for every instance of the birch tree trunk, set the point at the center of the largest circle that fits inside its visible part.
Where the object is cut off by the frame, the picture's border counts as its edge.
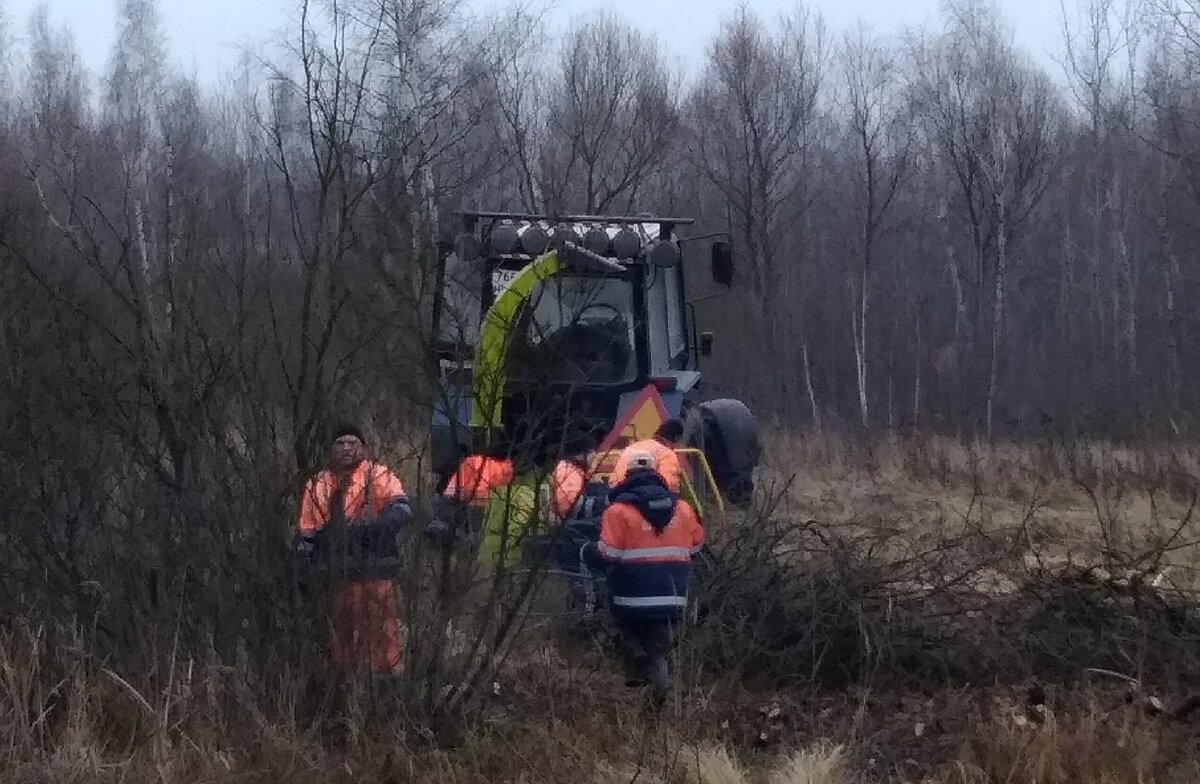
(997, 314)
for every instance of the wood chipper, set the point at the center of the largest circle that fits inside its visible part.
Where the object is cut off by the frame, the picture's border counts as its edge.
(556, 335)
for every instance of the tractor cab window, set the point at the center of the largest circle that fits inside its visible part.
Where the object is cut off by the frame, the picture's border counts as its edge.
(664, 309)
(575, 329)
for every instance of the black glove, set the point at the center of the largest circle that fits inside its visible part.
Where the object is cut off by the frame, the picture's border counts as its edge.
(376, 537)
(452, 522)
(439, 531)
(397, 514)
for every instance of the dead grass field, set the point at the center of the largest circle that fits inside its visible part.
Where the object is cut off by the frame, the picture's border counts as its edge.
(915, 612)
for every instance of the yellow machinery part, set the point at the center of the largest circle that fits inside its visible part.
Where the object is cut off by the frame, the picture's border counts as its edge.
(491, 374)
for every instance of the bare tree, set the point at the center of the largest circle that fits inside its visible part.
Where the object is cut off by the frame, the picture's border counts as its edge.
(880, 143)
(136, 75)
(514, 92)
(752, 119)
(611, 119)
(995, 122)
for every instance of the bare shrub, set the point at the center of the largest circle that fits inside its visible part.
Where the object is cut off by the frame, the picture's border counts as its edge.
(775, 604)
(977, 596)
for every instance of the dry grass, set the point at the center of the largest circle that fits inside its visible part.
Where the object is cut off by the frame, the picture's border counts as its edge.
(709, 765)
(903, 601)
(606, 773)
(1090, 744)
(713, 764)
(1089, 503)
(823, 764)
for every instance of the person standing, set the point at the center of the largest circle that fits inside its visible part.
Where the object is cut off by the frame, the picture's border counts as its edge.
(647, 541)
(460, 511)
(576, 503)
(350, 515)
(476, 477)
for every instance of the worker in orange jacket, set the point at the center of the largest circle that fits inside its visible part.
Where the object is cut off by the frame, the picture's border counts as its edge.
(458, 515)
(577, 500)
(647, 540)
(477, 475)
(350, 514)
(567, 483)
(662, 447)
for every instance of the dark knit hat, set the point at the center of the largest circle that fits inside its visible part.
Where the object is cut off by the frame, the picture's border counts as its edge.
(671, 430)
(347, 429)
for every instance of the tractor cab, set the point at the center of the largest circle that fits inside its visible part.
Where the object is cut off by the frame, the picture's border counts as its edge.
(547, 329)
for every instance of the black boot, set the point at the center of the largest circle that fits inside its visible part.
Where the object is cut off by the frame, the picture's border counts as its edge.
(658, 675)
(636, 671)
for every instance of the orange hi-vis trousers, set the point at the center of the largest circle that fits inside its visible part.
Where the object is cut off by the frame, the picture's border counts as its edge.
(364, 623)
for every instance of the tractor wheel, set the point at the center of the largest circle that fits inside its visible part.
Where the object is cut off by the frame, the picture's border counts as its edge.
(727, 432)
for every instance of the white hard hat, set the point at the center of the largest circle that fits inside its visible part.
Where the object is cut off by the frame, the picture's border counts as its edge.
(641, 459)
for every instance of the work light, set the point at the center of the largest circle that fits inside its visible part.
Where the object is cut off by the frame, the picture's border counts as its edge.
(626, 244)
(534, 239)
(597, 241)
(504, 239)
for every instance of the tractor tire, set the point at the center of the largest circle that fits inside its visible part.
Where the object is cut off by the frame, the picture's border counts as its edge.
(730, 441)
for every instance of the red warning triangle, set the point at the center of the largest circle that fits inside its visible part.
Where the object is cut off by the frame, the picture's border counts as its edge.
(641, 420)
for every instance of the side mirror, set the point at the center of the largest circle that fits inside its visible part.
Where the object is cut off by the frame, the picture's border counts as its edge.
(722, 263)
(706, 344)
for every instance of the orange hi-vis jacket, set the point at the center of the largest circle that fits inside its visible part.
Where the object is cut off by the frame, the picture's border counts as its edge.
(370, 488)
(476, 477)
(567, 482)
(666, 462)
(649, 567)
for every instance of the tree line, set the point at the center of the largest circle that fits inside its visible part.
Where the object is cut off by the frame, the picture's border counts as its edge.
(934, 232)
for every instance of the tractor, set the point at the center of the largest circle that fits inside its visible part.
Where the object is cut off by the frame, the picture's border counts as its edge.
(548, 328)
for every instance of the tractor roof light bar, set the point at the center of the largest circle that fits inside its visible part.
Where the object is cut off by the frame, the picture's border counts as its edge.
(530, 216)
(646, 240)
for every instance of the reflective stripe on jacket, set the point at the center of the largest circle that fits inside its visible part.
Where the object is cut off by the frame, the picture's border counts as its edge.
(650, 566)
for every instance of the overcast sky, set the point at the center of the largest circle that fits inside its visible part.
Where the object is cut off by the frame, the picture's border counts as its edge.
(205, 35)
